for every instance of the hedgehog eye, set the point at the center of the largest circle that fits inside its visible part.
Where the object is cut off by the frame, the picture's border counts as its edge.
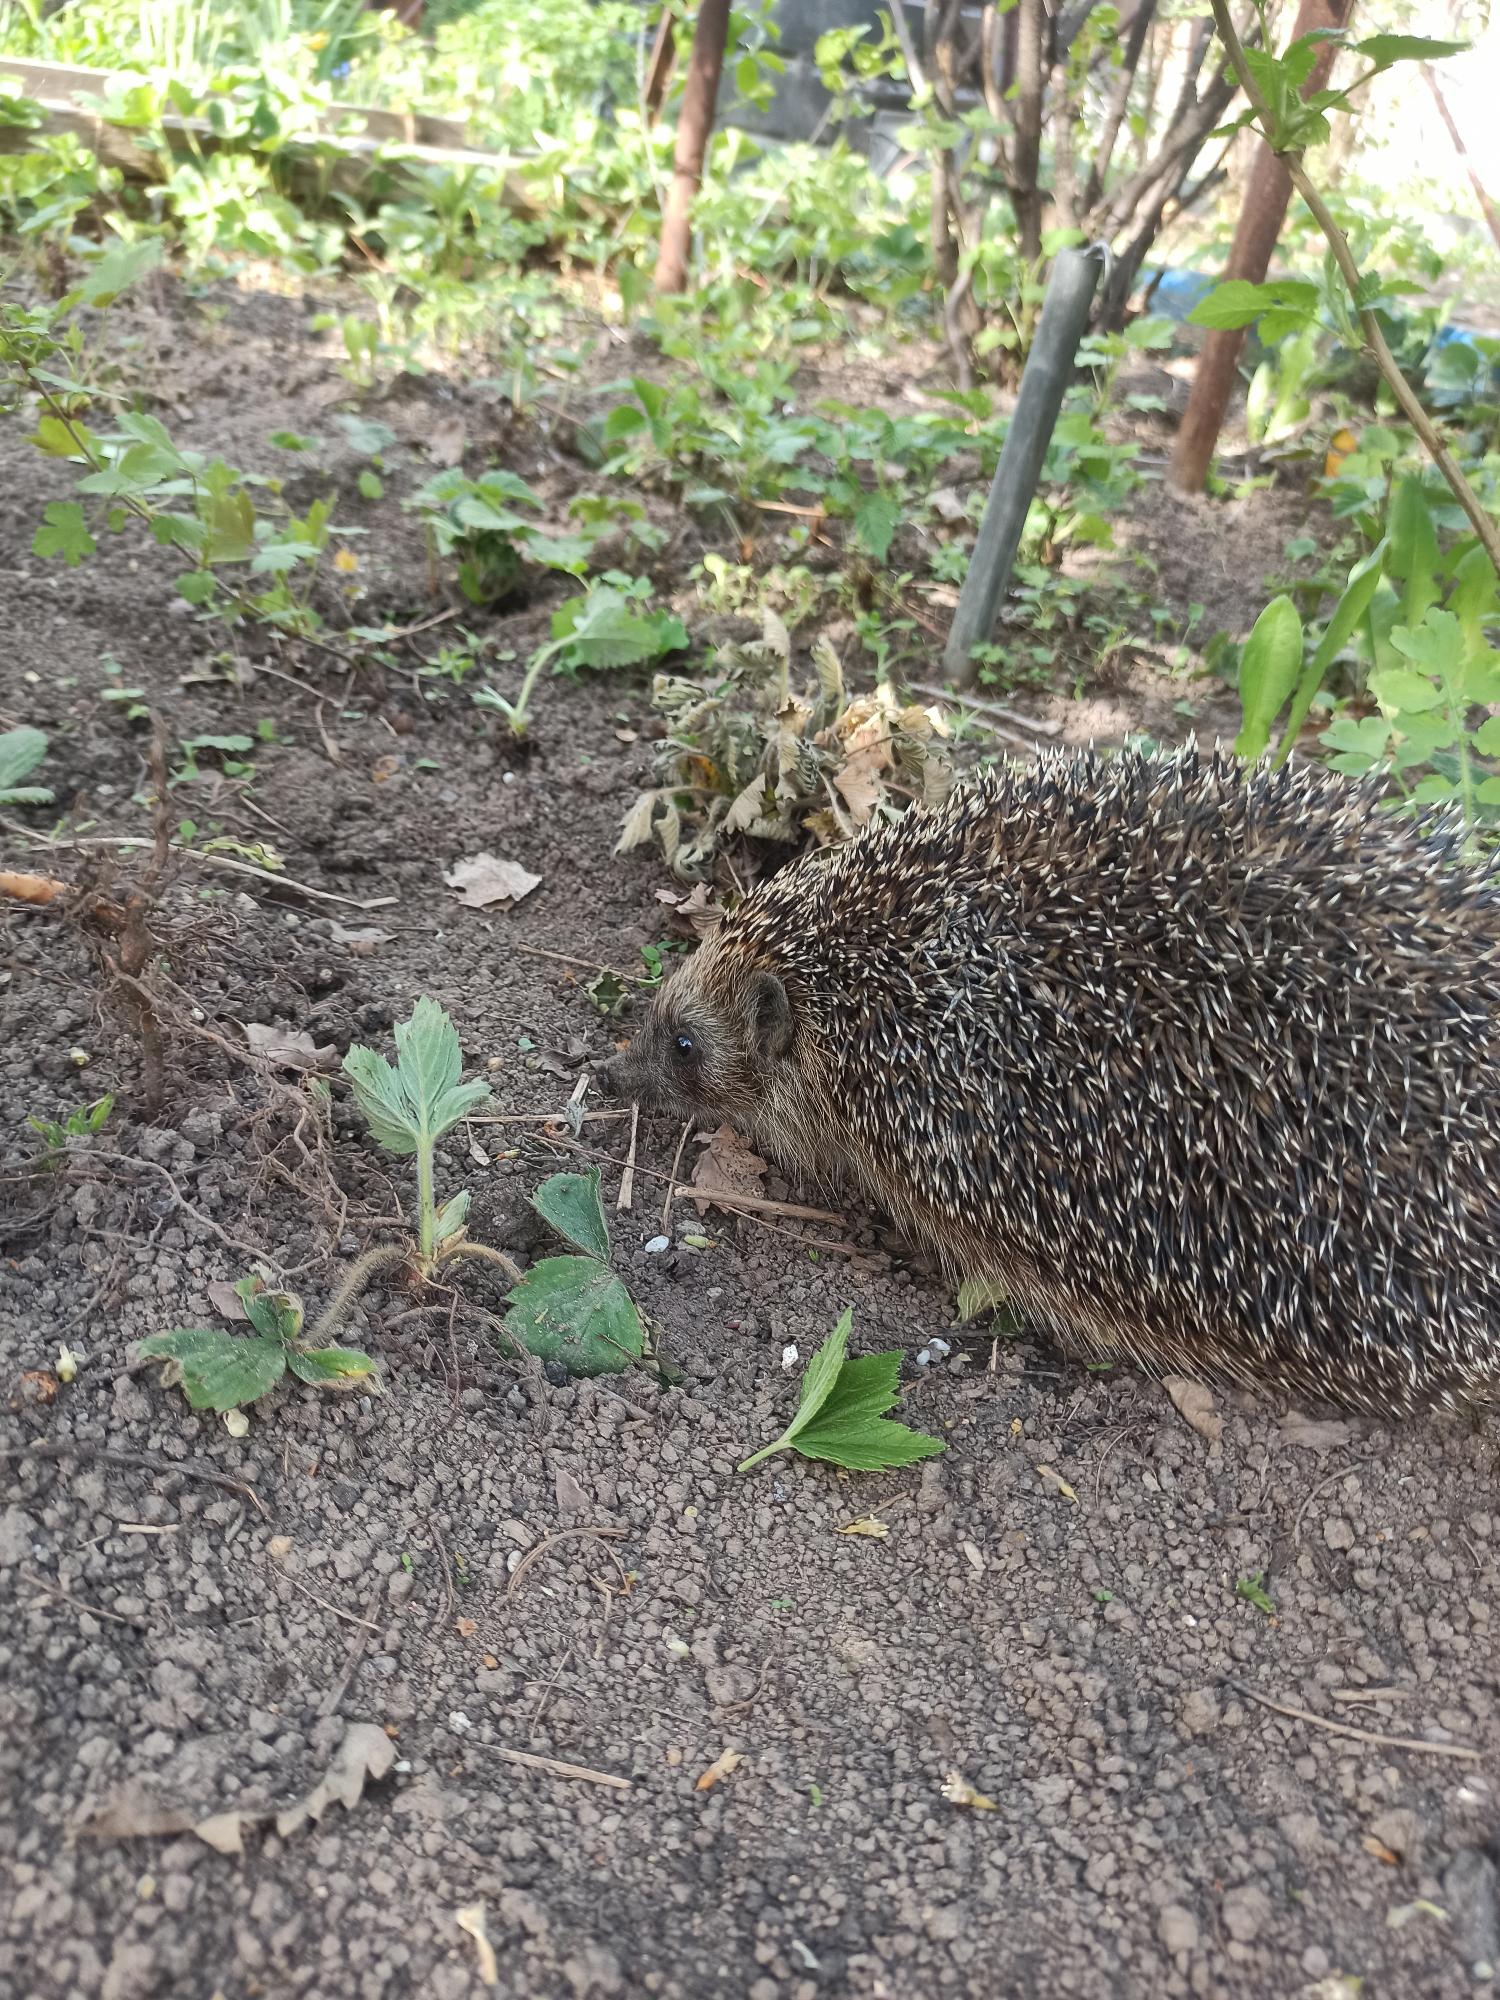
(685, 1045)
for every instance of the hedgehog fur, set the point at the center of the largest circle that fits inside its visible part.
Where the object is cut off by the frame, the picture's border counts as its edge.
(1198, 1063)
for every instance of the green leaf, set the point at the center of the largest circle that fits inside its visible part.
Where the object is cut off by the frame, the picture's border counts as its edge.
(276, 1315)
(876, 520)
(576, 1311)
(1253, 1590)
(1487, 737)
(452, 1216)
(21, 750)
(370, 484)
(572, 1205)
(120, 265)
(61, 440)
(1364, 579)
(414, 1103)
(66, 533)
(1402, 692)
(197, 585)
(1383, 50)
(1412, 554)
(603, 629)
(841, 1413)
(1269, 667)
(1236, 303)
(1436, 647)
(330, 1367)
(217, 1370)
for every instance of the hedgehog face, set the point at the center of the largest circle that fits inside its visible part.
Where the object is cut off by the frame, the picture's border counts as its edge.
(709, 1046)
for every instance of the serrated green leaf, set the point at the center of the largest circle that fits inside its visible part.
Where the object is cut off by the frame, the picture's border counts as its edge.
(452, 1216)
(840, 1414)
(120, 265)
(218, 1370)
(876, 519)
(21, 750)
(1237, 302)
(1269, 667)
(276, 1315)
(576, 1311)
(64, 534)
(330, 1367)
(414, 1103)
(602, 629)
(571, 1203)
(1436, 646)
(1402, 692)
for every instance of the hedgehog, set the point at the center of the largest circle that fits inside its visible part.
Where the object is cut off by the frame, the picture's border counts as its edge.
(1196, 1064)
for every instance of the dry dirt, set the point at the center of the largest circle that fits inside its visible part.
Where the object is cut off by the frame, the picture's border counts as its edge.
(193, 1622)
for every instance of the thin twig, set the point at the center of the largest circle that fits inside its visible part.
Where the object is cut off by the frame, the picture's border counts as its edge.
(541, 1117)
(1348, 1729)
(755, 1204)
(1484, 526)
(572, 958)
(627, 1180)
(338, 1610)
(1312, 1494)
(994, 708)
(68, 1447)
(556, 1767)
(533, 1556)
(336, 1693)
(666, 1207)
(56, 1590)
(224, 861)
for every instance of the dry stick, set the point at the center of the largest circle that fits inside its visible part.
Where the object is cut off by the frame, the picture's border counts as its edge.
(1348, 1729)
(1031, 722)
(556, 1767)
(223, 861)
(356, 1653)
(755, 1204)
(541, 1117)
(1312, 1494)
(570, 958)
(627, 1180)
(137, 1461)
(1484, 526)
(55, 1590)
(338, 1610)
(666, 1210)
(533, 1556)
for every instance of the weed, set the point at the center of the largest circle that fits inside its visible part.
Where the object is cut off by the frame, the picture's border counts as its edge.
(86, 1122)
(603, 629)
(224, 1371)
(21, 750)
(841, 1412)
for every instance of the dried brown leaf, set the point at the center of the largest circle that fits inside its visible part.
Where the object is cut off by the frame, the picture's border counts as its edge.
(472, 1921)
(726, 1762)
(289, 1048)
(485, 882)
(1056, 1479)
(444, 440)
(1194, 1403)
(726, 1167)
(958, 1790)
(366, 1752)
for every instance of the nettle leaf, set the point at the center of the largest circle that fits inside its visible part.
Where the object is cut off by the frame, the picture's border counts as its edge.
(21, 750)
(841, 1414)
(1383, 50)
(414, 1103)
(64, 534)
(217, 1370)
(571, 1204)
(576, 1311)
(876, 519)
(604, 629)
(331, 1367)
(1269, 667)
(1237, 302)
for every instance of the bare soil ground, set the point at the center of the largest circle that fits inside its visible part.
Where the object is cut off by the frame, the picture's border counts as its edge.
(480, 1563)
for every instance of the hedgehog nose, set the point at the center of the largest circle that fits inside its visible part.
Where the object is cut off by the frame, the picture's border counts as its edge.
(619, 1078)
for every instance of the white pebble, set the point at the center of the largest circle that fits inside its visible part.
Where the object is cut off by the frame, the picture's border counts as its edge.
(459, 1721)
(789, 1356)
(657, 1245)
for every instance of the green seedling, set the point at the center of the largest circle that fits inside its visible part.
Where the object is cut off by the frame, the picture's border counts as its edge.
(573, 1309)
(84, 1123)
(1253, 1590)
(21, 750)
(601, 630)
(841, 1412)
(224, 1371)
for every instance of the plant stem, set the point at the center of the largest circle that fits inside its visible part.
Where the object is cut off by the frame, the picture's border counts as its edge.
(539, 659)
(511, 1269)
(1484, 526)
(426, 1205)
(359, 1275)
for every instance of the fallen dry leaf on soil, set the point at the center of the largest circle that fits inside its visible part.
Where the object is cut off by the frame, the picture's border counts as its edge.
(958, 1790)
(472, 1921)
(224, 1299)
(723, 1764)
(1314, 1433)
(1056, 1479)
(695, 914)
(1195, 1405)
(870, 1524)
(130, 1812)
(360, 942)
(366, 1752)
(466, 1628)
(726, 1167)
(292, 1048)
(485, 882)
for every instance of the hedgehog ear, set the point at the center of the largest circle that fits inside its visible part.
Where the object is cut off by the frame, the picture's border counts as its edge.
(770, 1015)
